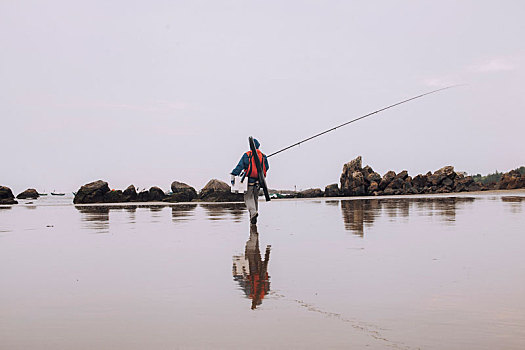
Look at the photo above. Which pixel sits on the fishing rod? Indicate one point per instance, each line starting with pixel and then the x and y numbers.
pixel 359 118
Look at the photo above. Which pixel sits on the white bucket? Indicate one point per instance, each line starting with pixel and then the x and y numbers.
pixel 238 186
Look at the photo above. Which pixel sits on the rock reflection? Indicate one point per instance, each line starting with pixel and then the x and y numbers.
pixel 95 217
pixel 251 272
pixel 182 212
pixel 361 213
pixel 514 203
pixel 221 211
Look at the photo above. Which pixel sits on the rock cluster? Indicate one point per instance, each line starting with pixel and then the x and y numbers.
pixel 99 192
pixel 511 180
pixel 310 193
pixel 359 181
pixel 6 196
pixel 30 193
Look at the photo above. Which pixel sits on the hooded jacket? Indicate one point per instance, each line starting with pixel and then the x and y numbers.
pixel 244 163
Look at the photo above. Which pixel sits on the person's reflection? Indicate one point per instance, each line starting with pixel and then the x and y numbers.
pixel 253 279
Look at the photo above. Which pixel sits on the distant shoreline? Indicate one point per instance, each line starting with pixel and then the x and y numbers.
pixel 520 191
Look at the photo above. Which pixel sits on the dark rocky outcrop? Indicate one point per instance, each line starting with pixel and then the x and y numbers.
pixel 114 196
pixel 129 194
pixel 143 196
pixel 358 181
pixel 310 193
pixel 156 194
pixel 219 191
pixel 181 192
pixel 6 196
pixel 332 191
pixel 30 193
pixel 511 180
pixel 92 193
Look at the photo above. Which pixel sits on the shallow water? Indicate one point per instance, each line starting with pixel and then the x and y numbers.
pixel 430 272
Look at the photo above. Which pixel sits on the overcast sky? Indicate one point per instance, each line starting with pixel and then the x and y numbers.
pixel 147 92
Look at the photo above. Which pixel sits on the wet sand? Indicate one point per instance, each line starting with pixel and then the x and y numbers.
pixel 406 272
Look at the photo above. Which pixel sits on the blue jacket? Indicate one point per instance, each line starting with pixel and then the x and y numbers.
pixel 244 163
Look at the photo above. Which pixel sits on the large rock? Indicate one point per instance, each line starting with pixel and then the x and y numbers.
pixel 6 196
pixel 181 192
pixel 419 182
pixel 310 193
pixel 219 191
pixel 332 191
pixel 353 179
pixel 130 194
pixel 113 196
pixel 511 180
pixel 143 196
pixel 92 193
pixel 387 178
pixel 156 194
pixel 30 193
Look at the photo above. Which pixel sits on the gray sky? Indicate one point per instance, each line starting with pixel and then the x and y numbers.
pixel 154 91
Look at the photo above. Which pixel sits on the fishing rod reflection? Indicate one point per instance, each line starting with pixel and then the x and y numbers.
pixel 251 271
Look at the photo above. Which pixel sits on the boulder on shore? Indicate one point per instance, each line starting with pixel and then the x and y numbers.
pixel 129 194
pixel 30 193
pixel 113 196
pixel 181 192
pixel 310 193
pixel 6 196
pixel 332 191
pixel 156 194
pixel 92 193
pixel 511 180
pixel 143 196
pixel 219 191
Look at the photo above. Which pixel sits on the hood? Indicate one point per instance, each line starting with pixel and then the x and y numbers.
pixel 257 144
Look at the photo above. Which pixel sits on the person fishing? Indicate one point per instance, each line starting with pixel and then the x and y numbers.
pixel 248 168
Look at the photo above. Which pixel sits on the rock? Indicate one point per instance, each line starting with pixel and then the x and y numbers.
pixel 310 193
pixel 181 192
pixel 511 180
pixel 92 192
pixel 447 182
pixel 156 194
pixel 219 191
pixel 461 183
pixel 420 181
pixel 448 171
pixel 353 165
pixel 129 194
pixel 387 178
pixel 475 186
pixel 373 177
pixel 6 196
pixel 396 184
pixel 30 193
pixel 216 185
pixel 402 175
pixel 143 196
pixel 389 192
pixel 332 191
pixel 373 188
pixel 113 196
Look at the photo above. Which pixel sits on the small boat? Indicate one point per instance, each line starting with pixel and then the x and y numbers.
pixel 42 194
pixel 57 194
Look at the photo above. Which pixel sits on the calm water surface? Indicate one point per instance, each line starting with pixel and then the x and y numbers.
pixel 403 273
